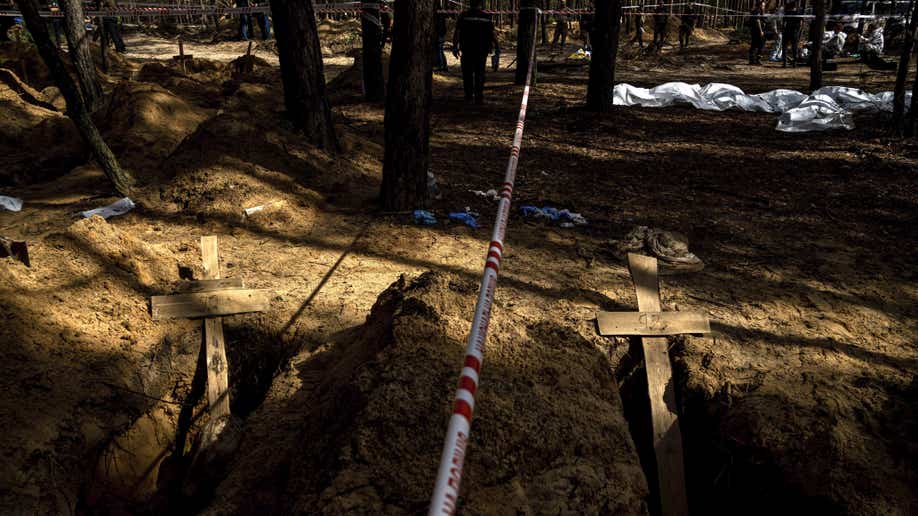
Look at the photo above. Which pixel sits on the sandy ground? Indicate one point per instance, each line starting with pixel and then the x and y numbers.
pixel 805 396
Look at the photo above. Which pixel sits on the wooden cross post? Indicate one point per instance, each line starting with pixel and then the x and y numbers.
pixel 181 58
pixel 652 325
pixel 211 299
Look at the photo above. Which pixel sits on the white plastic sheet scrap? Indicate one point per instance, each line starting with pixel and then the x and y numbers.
pixel 10 203
pixel 119 207
pixel 829 107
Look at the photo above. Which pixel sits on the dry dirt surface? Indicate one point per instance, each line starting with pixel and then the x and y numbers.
pixel 805 398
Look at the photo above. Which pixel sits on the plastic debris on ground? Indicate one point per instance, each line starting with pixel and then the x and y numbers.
pixel 491 195
pixel 829 107
pixel 580 55
pixel 567 218
pixel 119 207
pixel 424 218
pixel 467 217
pixel 10 203
pixel 669 247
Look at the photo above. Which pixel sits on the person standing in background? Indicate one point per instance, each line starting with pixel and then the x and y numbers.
pixel 757 34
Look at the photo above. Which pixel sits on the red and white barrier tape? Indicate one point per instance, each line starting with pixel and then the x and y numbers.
pixel 446 489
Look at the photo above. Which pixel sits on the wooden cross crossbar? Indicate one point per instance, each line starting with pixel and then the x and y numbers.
pixel 652 325
pixel 212 298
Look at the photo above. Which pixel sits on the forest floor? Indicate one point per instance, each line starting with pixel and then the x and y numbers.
pixel 805 397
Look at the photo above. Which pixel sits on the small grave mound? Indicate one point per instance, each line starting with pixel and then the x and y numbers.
pixel 28 123
pixel 549 436
pixel 144 123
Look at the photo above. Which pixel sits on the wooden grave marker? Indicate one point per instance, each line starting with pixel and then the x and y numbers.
pixel 182 57
pixel 212 298
pixel 652 325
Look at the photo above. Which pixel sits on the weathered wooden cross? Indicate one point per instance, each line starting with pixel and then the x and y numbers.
pixel 212 298
pixel 181 58
pixel 652 325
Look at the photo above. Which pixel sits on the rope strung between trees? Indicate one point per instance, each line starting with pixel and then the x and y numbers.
pixel 449 474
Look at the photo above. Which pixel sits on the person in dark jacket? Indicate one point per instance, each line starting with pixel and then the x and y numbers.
pixel 473 40
pixel 687 27
pixel 110 25
pixel 757 34
pixel 660 23
pixel 791 34
pixel 440 26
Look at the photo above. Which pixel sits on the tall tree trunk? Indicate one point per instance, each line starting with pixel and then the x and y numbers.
pixel 374 88
pixel 912 127
pixel 76 110
pixel 80 55
pixel 543 21
pixel 819 28
pixel 525 39
pixel 908 46
pixel 301 71
pixel 606 23
pixel 408 96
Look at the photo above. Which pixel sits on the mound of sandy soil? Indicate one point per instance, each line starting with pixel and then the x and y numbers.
pixel 362 428
pixel 24 60
pixel 144 123
pixel 83 338
pixel 28 123
pixel 233 162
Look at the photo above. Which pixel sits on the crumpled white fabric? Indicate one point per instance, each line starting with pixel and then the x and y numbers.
pixel 119 207
pixel 10 203
pixel 829 107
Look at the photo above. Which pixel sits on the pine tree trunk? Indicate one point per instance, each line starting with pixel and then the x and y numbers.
pixel 301 71
pixel 605 47
pixel 374 88
pixel 525 39
pixel 408 97
pixel 80 55
pixel 912 127
pixel 543 20
pixel 76 110
pixel 908 46
pixel 819 28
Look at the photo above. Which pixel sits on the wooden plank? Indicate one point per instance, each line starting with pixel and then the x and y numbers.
pixel 214 348
pixel 209 304
pixel 650 324
pixel 667 437
pixel 212 285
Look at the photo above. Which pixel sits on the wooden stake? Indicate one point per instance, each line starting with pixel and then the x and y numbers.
pixel 667 438
pixel 217 366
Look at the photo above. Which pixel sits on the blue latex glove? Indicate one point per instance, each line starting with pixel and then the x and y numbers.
pixel 424 218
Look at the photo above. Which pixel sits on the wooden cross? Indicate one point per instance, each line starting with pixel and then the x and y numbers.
pixel 211 299
pixel 182 57
pixel 652 325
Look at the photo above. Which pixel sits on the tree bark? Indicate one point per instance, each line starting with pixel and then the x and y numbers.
pixel 525 39
pixel 80 55
pixel 819 28
pixel 408 97
pixel 543 20
pixel 374 88
pixel 908 46
pixel 606 24
pixel 76 110
pixel 301 71
pixel 912 128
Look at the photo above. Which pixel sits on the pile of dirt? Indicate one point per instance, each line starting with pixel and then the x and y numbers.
pixel 23 59
pixel 144 123
pixel 29 122
pixel 339 36
pixel 238 161
pixel 87 362
pixel 363 431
